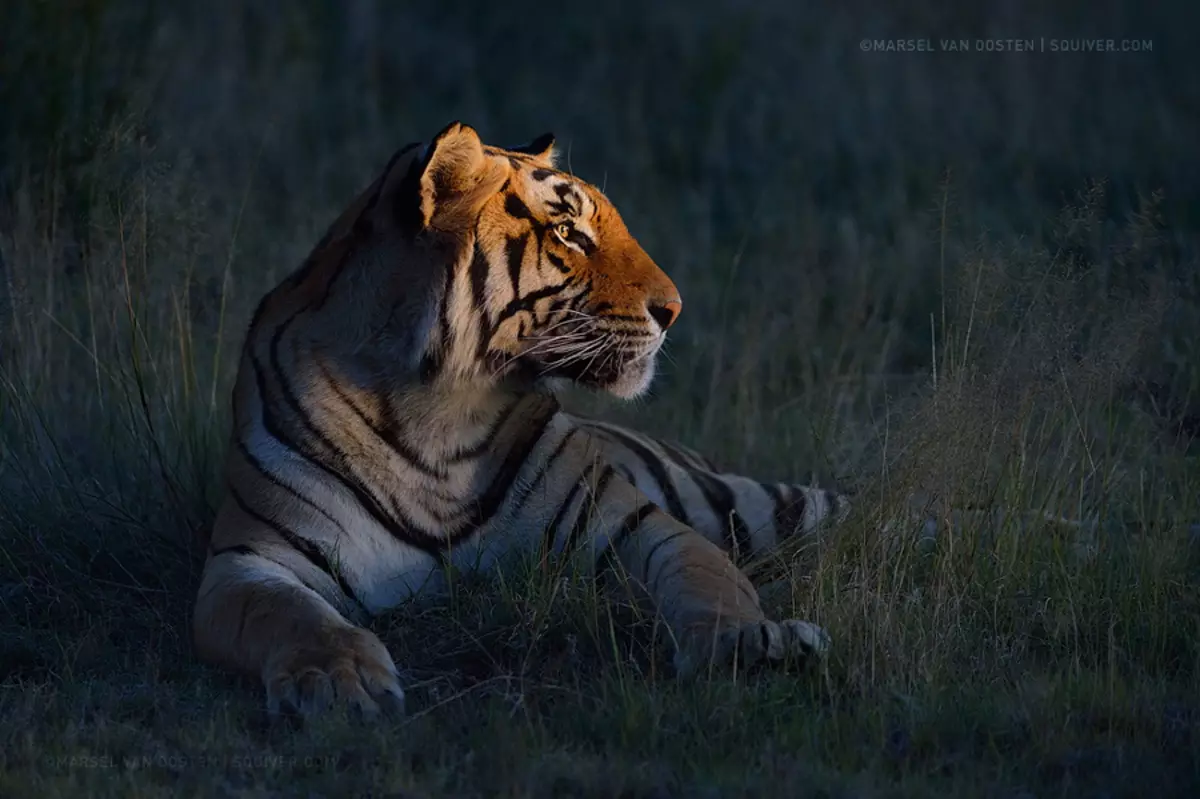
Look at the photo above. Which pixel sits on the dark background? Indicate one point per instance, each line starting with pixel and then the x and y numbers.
pixel 970 273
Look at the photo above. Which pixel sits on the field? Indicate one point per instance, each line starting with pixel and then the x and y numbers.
pixel 972 278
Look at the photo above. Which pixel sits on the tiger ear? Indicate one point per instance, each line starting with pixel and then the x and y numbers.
pixel 456 178
pixel 540 149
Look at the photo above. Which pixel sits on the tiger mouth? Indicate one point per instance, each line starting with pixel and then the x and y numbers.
pixel 587 373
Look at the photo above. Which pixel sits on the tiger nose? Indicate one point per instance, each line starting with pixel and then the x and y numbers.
pixel 665 313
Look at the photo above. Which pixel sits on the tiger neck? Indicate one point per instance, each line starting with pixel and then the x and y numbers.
pixel 446 430
pixel 466 417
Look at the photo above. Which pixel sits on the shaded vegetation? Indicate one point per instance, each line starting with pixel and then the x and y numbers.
pixel 968 279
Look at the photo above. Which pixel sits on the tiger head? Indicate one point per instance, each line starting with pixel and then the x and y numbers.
pixel 467 262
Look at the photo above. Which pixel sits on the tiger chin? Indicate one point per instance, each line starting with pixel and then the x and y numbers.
pixel 395 418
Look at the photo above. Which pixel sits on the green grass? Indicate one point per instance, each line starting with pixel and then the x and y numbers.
pixel 967 278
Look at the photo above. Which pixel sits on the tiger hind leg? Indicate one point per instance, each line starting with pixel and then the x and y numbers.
pixel 708 603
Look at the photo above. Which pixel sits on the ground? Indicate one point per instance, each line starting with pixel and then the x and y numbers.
pixel 963 277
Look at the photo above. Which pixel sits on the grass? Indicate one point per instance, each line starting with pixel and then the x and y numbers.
pixel 964 278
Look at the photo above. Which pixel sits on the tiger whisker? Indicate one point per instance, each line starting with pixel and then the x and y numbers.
pixel 573 343
pixel 594 350
pixel 556 336
pixel 550 342
pixel 609 342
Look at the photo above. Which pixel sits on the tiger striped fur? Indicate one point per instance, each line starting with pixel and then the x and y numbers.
pixel 394 415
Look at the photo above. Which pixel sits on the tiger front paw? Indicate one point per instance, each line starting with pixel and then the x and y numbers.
pixel 346 666
pixel 748 643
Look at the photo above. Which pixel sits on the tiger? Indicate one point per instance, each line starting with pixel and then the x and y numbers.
pixel 396 420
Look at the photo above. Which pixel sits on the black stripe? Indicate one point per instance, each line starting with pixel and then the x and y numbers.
pixel 723 501
pixel 402 531
pixel 686 457
pixel 568 197
pixel 630 524
pixel 479 270
pixel 558 304
pixel 236 549
pixel 313 260
pixel 275 430
pixel 539 243
pixel 257 465
pixel 788 513
pixel 557 262
pixel 579 299
pixel 388 430
pixel 259 310
pixel 658 544
pixel 654 465
pixel 521 498
pixel 317 258
pixel 429 367
pixel 489 502
pixel 585 243
pixel 527 302
pixel 581 521
pixel 515 207
pixel 627 473
pixel 446 333
pixel 392 433
pixel 550 533
pixel 307 548
pixel 344 256
pixel 514 251
pixel 541 174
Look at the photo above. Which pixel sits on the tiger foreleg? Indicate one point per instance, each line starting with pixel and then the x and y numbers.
pixel 257 617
